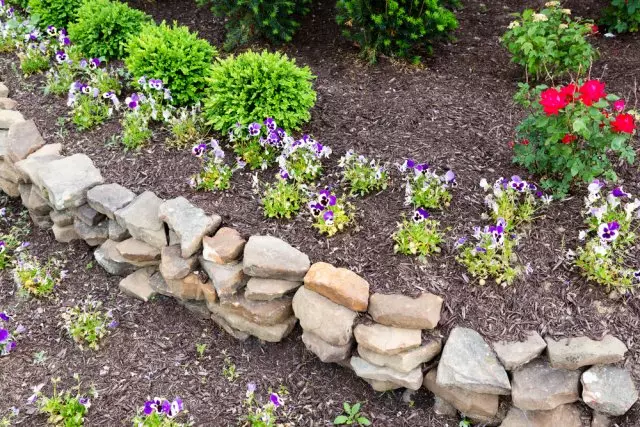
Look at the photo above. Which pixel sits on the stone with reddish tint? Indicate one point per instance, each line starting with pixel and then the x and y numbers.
pixel 209 293
pixel 609 390
pixel 228 279
pixel 269 289
pixel 137 250
pixel 173 266
pixel 260 312
pixel 406 312
pixel 411 380
pixel 269 333
pixel 405 361
pixel 138 285
pixel 561 416
pixel 89 216
pixel 272 258
pixel 387 339
pixel 188 288
pixel 93 235
pixel 340 285
pixel 140 217
pixel 68 179
pixel 537 386
pixel 328 353
pixel 574 353
pixel 109 198
pixel 225 247
pixel 514 354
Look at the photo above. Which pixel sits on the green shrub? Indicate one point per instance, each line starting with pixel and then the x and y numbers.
pixel 104 26
pixel 174 55
pixel 58 13
pixel 622 16
pixel 275 20
pixel 550 43
pixel 252 86
pixel 400 28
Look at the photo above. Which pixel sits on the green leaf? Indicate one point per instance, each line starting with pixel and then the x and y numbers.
pixel 340 419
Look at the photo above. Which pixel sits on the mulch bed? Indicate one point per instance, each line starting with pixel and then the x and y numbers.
pixel 455 112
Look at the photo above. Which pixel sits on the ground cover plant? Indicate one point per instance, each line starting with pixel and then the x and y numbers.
pixel 363 175
pixel 420 236
pixel 88 324
pixel 35 278
pixel 59 13
pixel 160 412
pixel 283 198
pixel 12 239
pixel 301 160
pixel 9 334
pixel 262 414
pixel 331 214
pixel 258 144
pixel 424 187
pixel 215 173
pixel 622 16
pixel 64 408
pixel 89 108
pixel 187 127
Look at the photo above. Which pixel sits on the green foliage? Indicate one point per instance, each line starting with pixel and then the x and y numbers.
pixel 247 20
pixel 89 110
pixel 336 218
pixel 187 127
pixel 60 79
pixel 263 415
pixel 11 239
pixel 229 370
pixel 88 324
pixel 486 258
pixel 103 28
pixel 215 174
pixel 402 28
pixel 351 416
pixel 550 43
pixel 427 190
pixel 33 61
pixel 174 55
pixel 66 409
pixel 514 202
pixel 622 16
pixel 59 13
pixel 36 279
pixel 252 148
pixel 252 86
pixel 200 349
pixel 283 199
pixel 362 175
pixel 420 238
pixel 135 130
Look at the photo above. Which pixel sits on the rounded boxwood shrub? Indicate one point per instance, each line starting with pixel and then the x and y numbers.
pixel 401 28
pixel 252 86
pixel 622 16
pixel 58 13
pixel 174 55
pixel 104 26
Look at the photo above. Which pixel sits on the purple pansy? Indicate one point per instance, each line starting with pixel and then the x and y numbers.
pixel 284 174
pixel 420 215
pixel 326 198
pixel 94 63
pixel 84 401
pixel 270 124
pixel 328 217
pixel 4 316
pixel 4 335
pixel 273 138
pixel 254 129
pixel 199 150
pixel 51 30
pixel 608 232
pixel 517 183
pixel 61 56
pixel 618 192
pixel 3 246
pixel 276 400
pixel 251 387
pixel 155 84
pixel 175 407
pixel 316 208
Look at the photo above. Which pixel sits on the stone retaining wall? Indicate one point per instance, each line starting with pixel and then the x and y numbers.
pixel 262 286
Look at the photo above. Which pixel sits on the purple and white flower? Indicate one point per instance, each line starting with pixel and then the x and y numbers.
pixel 420 215
pixel 254 129
pixel 608 232
pixel 270 124
pixel 199 150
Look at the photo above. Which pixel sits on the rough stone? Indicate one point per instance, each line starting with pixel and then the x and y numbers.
pixel 268 289
pixel 260 312
pixel 225 247
pixel 479 406
pixel 608 390
pixel 93 235
pixel 9 172
pixel 239 335
pixel 8 103
pixel 537 386
pixel 405 312
pixel 23 138
pixel 110 259
pixel 189 222
pixel 411 380
pixel 117 233
pixel 47 150
pixel 3 143
pixel 199 308
pixel 387 339
pixel 10 188
pixel 405 361
pixel 326 352
pixel 137 284
pixel 11 118
pixel 160 285
pixel 109 198
pixel 271 258
pixel 37 203
pixel 269 333
pixel 600 420
pixel 209 293
pixel 340 285
pixel 4 90
pixel 89 216
pixel 227 279
pixel 517 353
pixel 188 288
pixel 137 250
pixel 443 408
pixel 574 353
pixel 65 234
pixel 468 362
pixel 140 217
pixel 67 180
pixel 173 266
pixel 382 386
pixel 561 416
pixel 43 222
pixel 30 167
pixel 61 218
pixel 331 322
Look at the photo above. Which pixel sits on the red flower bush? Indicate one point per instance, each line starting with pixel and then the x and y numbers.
pixel 623 123
pixel 552 101
pixel 568 138
pixel 591 92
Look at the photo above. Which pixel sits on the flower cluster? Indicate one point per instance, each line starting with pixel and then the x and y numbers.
pixel 331 214
pixel 7 337
pixel 363 175
pixel 88 324
pixel 282 198
pixel 606 256
pixel 35 279
pixel 160 412
pixel 187 127
pixel 215 174
pixel 425 188
pixel 64 409
pixel 258 143
pixel 301 160
pixel 90 108
pixel 419 236
pixel 262 415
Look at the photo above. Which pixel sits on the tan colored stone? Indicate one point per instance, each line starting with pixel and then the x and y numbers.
pixel 405 312
pixel 137 250
pixel 209 293
pixel 405 361
pixel 47 150
pixel 137 284
pixel 340 285
pixel 538 386
pixel 224 247
pixel 328 353
pixel 186 289
pixel 8 104
pixel 411 380
pixel 260 312
pixel 10 188
pixel 574 353
pixel 387 339
pixel 382 386
pixel 65 234
pixel 562 416
pixel 93 235
pixel 23 138
pixel 61 218
pixel 443 408
pixel 173 266
pixel 515 354
pixel 9 172
pixel 220 321
pixel 228 279
pixel 10 118
pixel 269 289
pixel 269 333
pixel 600 420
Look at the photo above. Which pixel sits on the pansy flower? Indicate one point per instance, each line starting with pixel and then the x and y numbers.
pixel 61 56
pixel 618 192
pixel 270 124
pixel 276 400
pixel 636 275
pixel 85 401
pixel 94 63
pixel 284 174
pixel 3 246
pixel 328 217
pixel 175 407
pixel 51 30
pixel 608 232
pixel 326 198
pixel 316 208
pixel 420 215
pixel 132 101
pixel 155 84
pixel 199 150
pixel 517 183
pixel 4 316
pixel 254 129
pixel 449 178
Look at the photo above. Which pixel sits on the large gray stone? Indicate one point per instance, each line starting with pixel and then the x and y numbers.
pixel 405 312
pixel 23 138
pixel 514 354
pixel 62 218
pixel 574 353
pixel 11 118
pixel 331 322
pixel 273 258
pixel 411 380
pixel 190 223
pixel 32 199
pixel 538 386
pixel 173 266
pixel 110 259
pixel 220 321
pixel 137 250
pixel 387 339
pixel 468 362
pixel 326 352
pixel 405 361
pixel 268 289
pixel 89 216
pixel 608 389
pixel 138 285
pixel 93 235
pixel 67 180
pixel 108 198
pixel 228 279
pixel 140 217
pixel 30 167
pixel 117 233
pixel 159 285
pixel 561 416
pixel 269 333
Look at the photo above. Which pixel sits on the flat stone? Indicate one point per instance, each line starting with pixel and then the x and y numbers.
pixel 9 172
pixel 93 235
pixel 387 339
pixel 188 288
pixel 30 167
pixel 468 362
pixel 537 386
pixel 4 90
pixel 561 416
pixel 443 408
pixel 37 203
pixel 10 118
pixel 3 143
pixel 41 221
pixel 47 150
pixel 8 103
pixel 600 420
pixel 117 233
pixel 89 216
pixel 173 266
pixel 209 293
pixel 65 234
pixel 67 180
pixel 514 354
pixel 10 188
pixel 608 390
pixel 260 312
pixel 269 333
pixel 268 289
pixel 272 258
pixel 228 279
pixel 137 250
pixel 160 285
pixel 326 352
pixel 382 386
pixel 574 353
pixel 340 285
pixel 364 369
pixel 110 259
pixel 405 361
pixel 23 137
pixel 140 217
pixel 137 284
pixel 331 322
pixel 239 335
pixel 190 223
pixel 108 198
pixel 225 247
pixel 61 218
pixel 479 406
pixel 406 312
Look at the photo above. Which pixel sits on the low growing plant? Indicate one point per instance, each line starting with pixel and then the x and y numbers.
pixel 622 16
pixel 331 214
pixel 215 174
pixel 90 108
pixel 257 144
pixel 160 412
pixel 67 408
pixel 262 414
pixel 283 199
pixel 187 127
pixel 88 324
pixel 36 279
pixel 34 58
pixel 420 236
pixel 351 415
pixel 301 160
pixel 425 188
pixel 363 175
pixel 8 337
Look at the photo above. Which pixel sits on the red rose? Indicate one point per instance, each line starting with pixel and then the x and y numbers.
pixel 623 123
pixel 568 138
pixel 525 142
pixel 595 29
pixel 568 92
pixel 591 91
pixel 552 101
